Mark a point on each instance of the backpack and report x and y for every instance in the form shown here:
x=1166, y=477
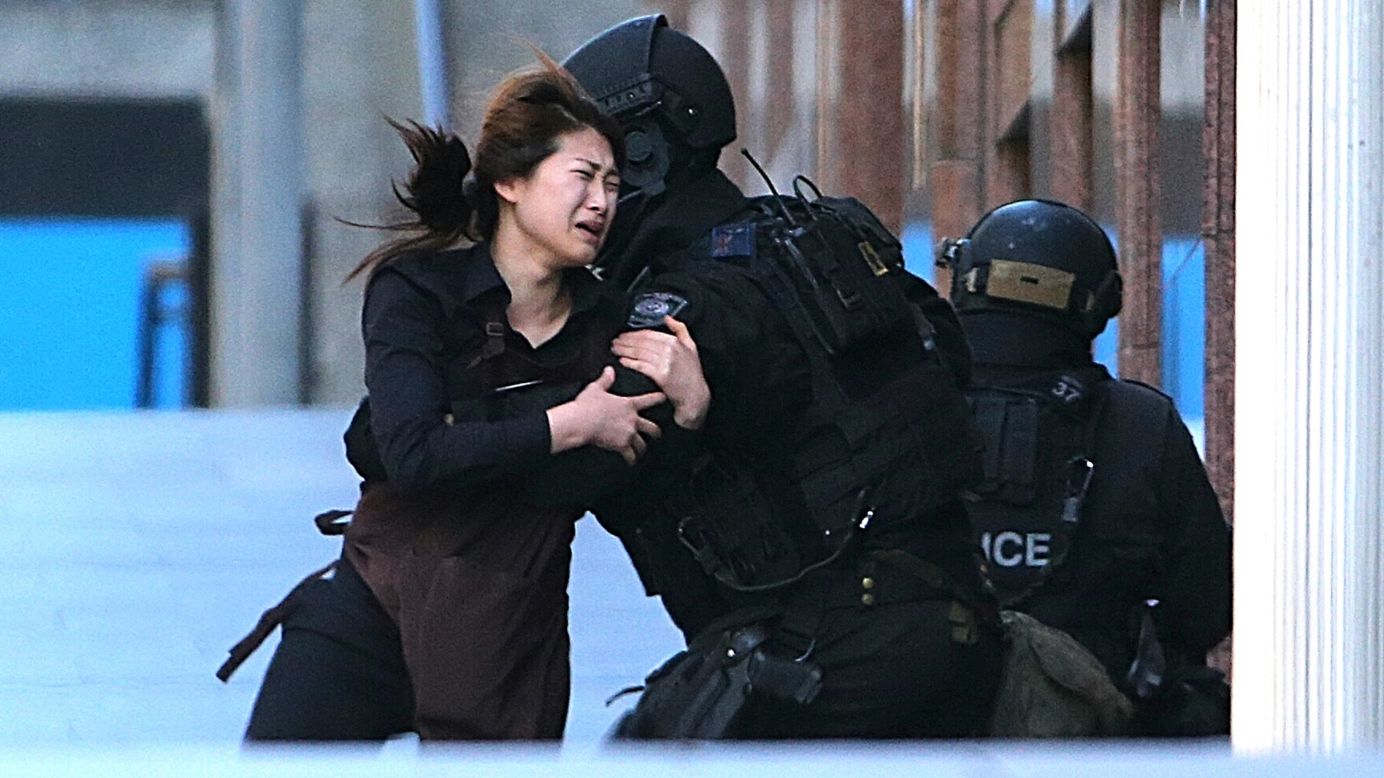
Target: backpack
x=1039, y=435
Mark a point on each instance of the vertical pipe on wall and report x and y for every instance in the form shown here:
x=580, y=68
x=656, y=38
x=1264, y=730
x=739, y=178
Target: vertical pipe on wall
x=862, y=122
x=1071, y=137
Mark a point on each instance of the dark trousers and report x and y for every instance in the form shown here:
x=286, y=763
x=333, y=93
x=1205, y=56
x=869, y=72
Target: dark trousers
x=898, y=657
x=338, y=673
x=889, y=671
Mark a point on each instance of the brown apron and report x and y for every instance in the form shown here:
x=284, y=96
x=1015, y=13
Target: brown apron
x=478, y=587
x=477, y=580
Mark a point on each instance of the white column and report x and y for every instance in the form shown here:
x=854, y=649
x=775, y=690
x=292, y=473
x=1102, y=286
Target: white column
x=257, y=188
x=1309, y=572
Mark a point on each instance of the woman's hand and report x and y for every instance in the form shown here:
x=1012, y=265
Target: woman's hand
x=602, y=419
x=671, y=361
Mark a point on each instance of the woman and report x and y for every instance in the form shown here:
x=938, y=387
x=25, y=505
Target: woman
x=447, y=612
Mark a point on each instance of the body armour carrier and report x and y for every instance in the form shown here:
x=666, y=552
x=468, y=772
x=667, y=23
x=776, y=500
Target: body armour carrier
x=1039, y=434
x=886, y=436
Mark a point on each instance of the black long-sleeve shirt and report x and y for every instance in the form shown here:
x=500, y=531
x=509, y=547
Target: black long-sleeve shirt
x=419, y=313
x=474, y=574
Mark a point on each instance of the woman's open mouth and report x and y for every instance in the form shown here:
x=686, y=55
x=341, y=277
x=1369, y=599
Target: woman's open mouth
x=593, y=230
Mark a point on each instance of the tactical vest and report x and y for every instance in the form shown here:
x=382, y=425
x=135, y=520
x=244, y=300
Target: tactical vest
x=1039, y=436
x=874, y=433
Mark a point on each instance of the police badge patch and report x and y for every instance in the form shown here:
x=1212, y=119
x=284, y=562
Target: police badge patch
x=650, y=308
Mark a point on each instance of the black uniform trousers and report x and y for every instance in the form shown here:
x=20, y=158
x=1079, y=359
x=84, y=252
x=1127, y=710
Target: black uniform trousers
x=901, y=657
x=893, y=673
x=338, y=672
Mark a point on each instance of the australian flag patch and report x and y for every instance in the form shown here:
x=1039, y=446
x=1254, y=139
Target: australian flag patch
x=733, y=240
x=649, y=309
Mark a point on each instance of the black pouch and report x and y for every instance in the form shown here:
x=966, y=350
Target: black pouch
x=733, y=528
x=701, y=693
x=796, y=680
x=843, y=274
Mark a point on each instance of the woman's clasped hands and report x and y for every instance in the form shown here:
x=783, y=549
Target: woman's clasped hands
x=671, y=361
x=609, y=421
x=597, y=417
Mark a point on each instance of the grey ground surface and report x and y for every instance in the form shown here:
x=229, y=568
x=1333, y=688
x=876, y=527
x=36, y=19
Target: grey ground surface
x=139, y=546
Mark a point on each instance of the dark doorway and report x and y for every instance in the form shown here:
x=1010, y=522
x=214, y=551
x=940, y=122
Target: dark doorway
x=102, y=253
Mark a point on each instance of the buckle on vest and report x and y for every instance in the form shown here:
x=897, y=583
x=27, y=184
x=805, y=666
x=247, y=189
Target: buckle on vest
x=849, y=300
x=872, y=258
x=1078, y=483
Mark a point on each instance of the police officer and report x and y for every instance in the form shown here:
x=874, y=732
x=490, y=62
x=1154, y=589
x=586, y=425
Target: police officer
x=1095, y=513
x=814, y=553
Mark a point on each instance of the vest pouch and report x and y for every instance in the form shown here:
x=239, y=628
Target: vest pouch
x=838, y=460
x=734, y=531
x=913, y=436
x=1038, y=436
x=842, y=276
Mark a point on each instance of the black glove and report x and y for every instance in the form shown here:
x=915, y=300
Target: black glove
x=1192, y=702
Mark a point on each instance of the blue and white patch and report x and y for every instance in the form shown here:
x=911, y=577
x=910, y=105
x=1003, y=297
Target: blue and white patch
x=733, y=240
x=650, y=308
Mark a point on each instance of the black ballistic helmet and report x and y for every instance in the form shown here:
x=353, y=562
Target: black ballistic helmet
x=665, y=89
x=1037, y=256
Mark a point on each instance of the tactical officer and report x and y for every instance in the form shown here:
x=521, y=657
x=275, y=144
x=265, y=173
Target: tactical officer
x=1095, y=504
x=815, y=554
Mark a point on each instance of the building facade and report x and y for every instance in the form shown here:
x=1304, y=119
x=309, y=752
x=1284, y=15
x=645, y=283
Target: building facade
x=935, y=111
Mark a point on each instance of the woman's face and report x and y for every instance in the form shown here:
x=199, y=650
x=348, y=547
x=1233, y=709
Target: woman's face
x=563, y=209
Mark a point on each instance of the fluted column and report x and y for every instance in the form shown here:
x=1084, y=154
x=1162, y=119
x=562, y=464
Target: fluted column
x=1309, y=588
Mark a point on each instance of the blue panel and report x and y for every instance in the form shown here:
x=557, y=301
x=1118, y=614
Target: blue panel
x=171, y=349
x=1106, y=348
x=68, y=329
x=917, y=243
x=1184, y=323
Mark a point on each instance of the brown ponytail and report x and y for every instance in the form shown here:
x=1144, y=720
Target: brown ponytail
x=449, y=200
